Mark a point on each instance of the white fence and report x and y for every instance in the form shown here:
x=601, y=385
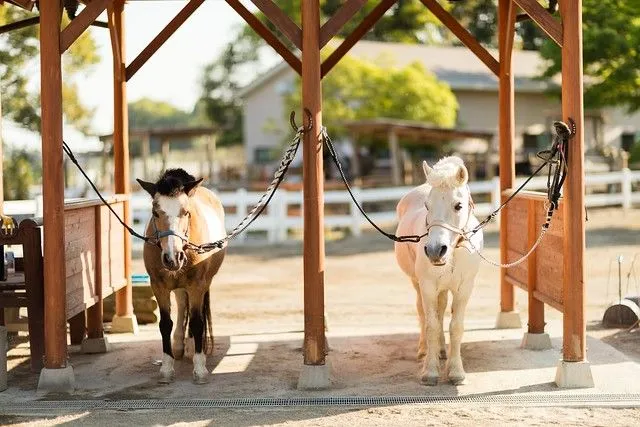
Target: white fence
x=284, y=213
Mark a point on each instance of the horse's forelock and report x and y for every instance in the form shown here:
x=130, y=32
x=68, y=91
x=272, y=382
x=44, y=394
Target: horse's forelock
x=444, y=173
x=172, y=182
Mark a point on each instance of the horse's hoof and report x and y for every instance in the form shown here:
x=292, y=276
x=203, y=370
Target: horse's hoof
x=429, y=380
x=443, y=354
x=457, y=379
x=166, y=378
x=198, y=379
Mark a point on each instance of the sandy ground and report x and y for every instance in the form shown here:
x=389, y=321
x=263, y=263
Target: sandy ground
x=257, y=310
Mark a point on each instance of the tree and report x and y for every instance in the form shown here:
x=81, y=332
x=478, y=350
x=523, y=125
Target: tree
x=21, y=171
x=611, y=54
x=358, y=89
x=19, y=57
x=147, y=113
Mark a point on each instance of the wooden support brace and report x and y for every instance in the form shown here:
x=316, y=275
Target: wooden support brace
x=337, y=21
x=362, y=29
x=76, y=27
x=162, y=37
x=25, y=4
x=281, y=21
x=465, y=36
x=267, y=35
x=113, y=34
x=544, y=19
x=19, y=24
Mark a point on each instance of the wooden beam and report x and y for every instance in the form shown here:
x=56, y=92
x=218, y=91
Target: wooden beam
x=544, y=19
x=362, y=29
x=313, y=189
x=113, y=34
x=81, y=22
x=281, y=21
x=53, y=192
x=506, y=125
x=124, y=296
x=267, y=35
x=535, y=324
x=463, y=35
x=25, y=4
x=19, y=24
x=574, y=329
x=339, y=19
x=162, y=37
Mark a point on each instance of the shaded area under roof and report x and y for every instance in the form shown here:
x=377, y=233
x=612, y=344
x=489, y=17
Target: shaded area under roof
x=412, y=130
x=168, y=133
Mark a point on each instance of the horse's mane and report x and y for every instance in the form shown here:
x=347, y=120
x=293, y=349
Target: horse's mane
x=171, y=182
x=445, y=172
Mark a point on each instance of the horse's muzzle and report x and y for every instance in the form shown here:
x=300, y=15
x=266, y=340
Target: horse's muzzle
x=436, y=254
x=173, y=263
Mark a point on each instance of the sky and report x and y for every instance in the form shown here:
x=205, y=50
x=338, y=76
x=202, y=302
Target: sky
x=173, y=73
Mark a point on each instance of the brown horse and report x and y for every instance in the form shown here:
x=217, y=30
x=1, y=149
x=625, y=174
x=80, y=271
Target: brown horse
x=183, y=211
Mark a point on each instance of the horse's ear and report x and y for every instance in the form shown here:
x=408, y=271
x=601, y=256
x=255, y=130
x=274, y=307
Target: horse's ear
x=149, y=187
x=190, y=187
x=426, y=168
x=462, y=176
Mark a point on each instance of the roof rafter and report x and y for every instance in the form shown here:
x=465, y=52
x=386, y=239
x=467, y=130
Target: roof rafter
x=463, y=34
x=544, y=19
x=339, y=19
x=281, y=21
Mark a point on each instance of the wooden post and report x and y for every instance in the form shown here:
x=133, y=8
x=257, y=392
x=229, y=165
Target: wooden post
x=506, y=22
x=95, y=328
x=313, y=187
x=124, y=319
x=164, y=145
x=394, y=150
x=145, y=149
x=573, y=347
x=536, y=307
x=53, y=192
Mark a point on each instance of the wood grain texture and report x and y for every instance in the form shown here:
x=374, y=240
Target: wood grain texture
x=574, y=336
x=81, y=22
x=506, y=123
x=266, y=34
x=281, y=21
x=544, y=19
x=333, y=26
x=367, y=23
x=463, y=35
x=162, y=37
x=313, y=189
x=53, y=191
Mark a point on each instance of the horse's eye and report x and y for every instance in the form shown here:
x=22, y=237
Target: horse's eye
x=458, y=206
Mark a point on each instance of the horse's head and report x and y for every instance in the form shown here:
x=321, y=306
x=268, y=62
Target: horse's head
x=448, y=208
x=171, y=214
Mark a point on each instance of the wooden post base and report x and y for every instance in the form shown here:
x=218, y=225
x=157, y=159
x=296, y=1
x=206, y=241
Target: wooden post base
x=57, y=380
x=574, y=375
x=124, y=324
x=536, y=341
x=315, y=377
x=508, y=320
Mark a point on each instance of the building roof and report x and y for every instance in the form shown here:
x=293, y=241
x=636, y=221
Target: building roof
x=413, y=130
x=456, y=65
x=168, y=133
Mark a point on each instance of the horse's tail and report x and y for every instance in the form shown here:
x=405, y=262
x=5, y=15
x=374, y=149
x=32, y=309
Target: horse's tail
x=207, y=347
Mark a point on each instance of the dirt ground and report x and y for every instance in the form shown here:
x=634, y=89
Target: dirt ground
x=259, y=291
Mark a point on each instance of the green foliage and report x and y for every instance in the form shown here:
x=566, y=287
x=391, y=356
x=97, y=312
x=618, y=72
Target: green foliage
x=21, y=169
x=19, y=61
x=148, y=113
x=611, y=54
x=358, y=89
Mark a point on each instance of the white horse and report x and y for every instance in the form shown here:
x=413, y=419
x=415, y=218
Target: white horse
x=441, y=262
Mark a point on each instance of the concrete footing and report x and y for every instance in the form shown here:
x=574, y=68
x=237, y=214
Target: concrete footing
x=124, y=324
x=314, y=377
x=574, y=375
x=536, y=341
x=508, y=320
x=95, y=345
x=57, y=380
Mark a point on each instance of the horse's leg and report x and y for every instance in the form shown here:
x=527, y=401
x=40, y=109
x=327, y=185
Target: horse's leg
x=178, y=333
x=431, y=365
x=166, y=324
x=456, y=330
x=197, y=330
x=442, y=306
x=422, y=345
